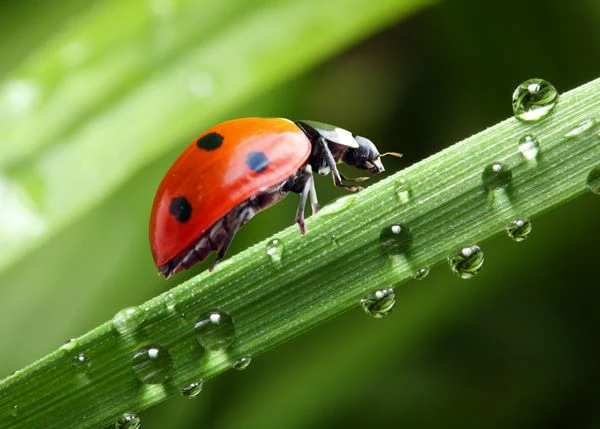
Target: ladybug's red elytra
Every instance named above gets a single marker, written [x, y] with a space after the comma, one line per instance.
[238, 168]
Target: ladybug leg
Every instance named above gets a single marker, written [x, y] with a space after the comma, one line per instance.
[353, 179]
[306, 185]
[337, 179]
[314, 202]
[243, 216]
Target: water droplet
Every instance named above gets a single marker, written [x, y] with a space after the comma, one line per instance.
[215, 330]
[14, 411]
[335, 240]
[152, 364]
[467, 261]
[496, 176]
[402, 190]
[242, 363]
[396, 238]
[593, 180]
[337, 206]
[581, 128]
[421, 273]
[519, 229]
[128, 421]
[192, 390]
[533, 100]
[275, 250]
[69, 344]
[529, 147]
[380, 303]
[170, 301]
[128, 320]
[81, 362]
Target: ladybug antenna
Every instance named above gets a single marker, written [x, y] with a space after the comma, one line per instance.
[394, 154]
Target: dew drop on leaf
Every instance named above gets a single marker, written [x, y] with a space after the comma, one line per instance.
[275, 250]
[215, 330]
[580, 129]
[128, 421]
[533, 100]
[421, 273]
[396, 239]
[128, 320]
[496, 176]
[402, 190]
[529, 147]
[242, 363]
[467, 261]
[379, 303]
[519, 229]
[152, 364]
[593, 180]
[192, 390]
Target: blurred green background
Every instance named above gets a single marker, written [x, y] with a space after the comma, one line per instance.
[515, 347]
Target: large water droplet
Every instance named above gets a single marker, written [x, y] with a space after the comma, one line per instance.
[496, 176]
[529, 147]
[152, 364]
[581, 128]
[275, 250]
[215, 330]
[128, 421]
[519, 229]
[242, 363]
[467, 261]
[533, 100]
[128, 320]
[396, 239]
[593, 180]
[193, 389]
[402, 190]
[421, 273]
[379, 303]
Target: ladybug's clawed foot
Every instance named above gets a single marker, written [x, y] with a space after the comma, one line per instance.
[352, 188]
[301, 226]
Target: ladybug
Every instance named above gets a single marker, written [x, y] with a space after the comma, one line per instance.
[238, 168]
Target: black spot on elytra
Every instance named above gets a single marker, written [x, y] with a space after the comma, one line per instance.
[257, 161]
[181, 209]
[211, 141]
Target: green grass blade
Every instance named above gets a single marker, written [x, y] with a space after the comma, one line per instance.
[318, 277]
[94, 106]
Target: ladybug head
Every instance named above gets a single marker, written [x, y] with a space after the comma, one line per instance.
[357, 151]
[365, 156]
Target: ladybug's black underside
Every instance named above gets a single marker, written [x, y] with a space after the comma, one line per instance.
[218, 237]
